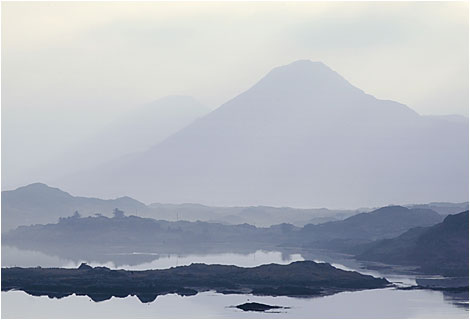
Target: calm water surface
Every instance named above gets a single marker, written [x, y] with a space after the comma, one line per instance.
[12, 256]
[380, 303]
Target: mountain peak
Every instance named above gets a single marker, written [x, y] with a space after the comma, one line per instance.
[39, 187]
[309, 77]
[305, 66]
[38, 191]
[306, 63]
[35, 185]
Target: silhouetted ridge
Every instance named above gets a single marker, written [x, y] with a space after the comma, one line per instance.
[457, 221]
[442, 248]
[347, 234]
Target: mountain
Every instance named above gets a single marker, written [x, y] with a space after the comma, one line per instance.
[387, 222]
[39, 203]
[302, 136]
[439, 249]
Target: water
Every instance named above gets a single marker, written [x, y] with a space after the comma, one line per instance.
[379, 303]
[12, 256]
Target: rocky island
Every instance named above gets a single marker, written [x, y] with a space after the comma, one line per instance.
[258, 307]
[303, 278]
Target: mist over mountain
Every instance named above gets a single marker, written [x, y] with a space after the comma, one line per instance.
[443, 208]
[135, 131]
[260, 216]
[38, 203]
[302, 136]
[142, 128]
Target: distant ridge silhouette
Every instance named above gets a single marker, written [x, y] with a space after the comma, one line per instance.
[439, 249]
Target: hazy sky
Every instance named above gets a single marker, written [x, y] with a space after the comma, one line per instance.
[68, 68]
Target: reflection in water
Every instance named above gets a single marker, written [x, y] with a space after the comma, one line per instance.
[361, 304]
[458, 298]
[243, 260]
[12, 256]
[378, 303]
[121, 256]
[401, 276]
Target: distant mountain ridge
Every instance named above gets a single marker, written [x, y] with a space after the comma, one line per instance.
[383, 223]
[38, 203]
[302, 136]
[81, 236]
[442, 248]
[443, 208]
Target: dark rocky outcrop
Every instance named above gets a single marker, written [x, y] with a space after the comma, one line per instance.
[305, 278]
[255, 306]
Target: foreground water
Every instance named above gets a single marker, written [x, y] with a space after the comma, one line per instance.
[380, 303]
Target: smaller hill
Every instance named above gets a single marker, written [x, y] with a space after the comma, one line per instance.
[383, 223]
[40, 203]
[440, 249]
